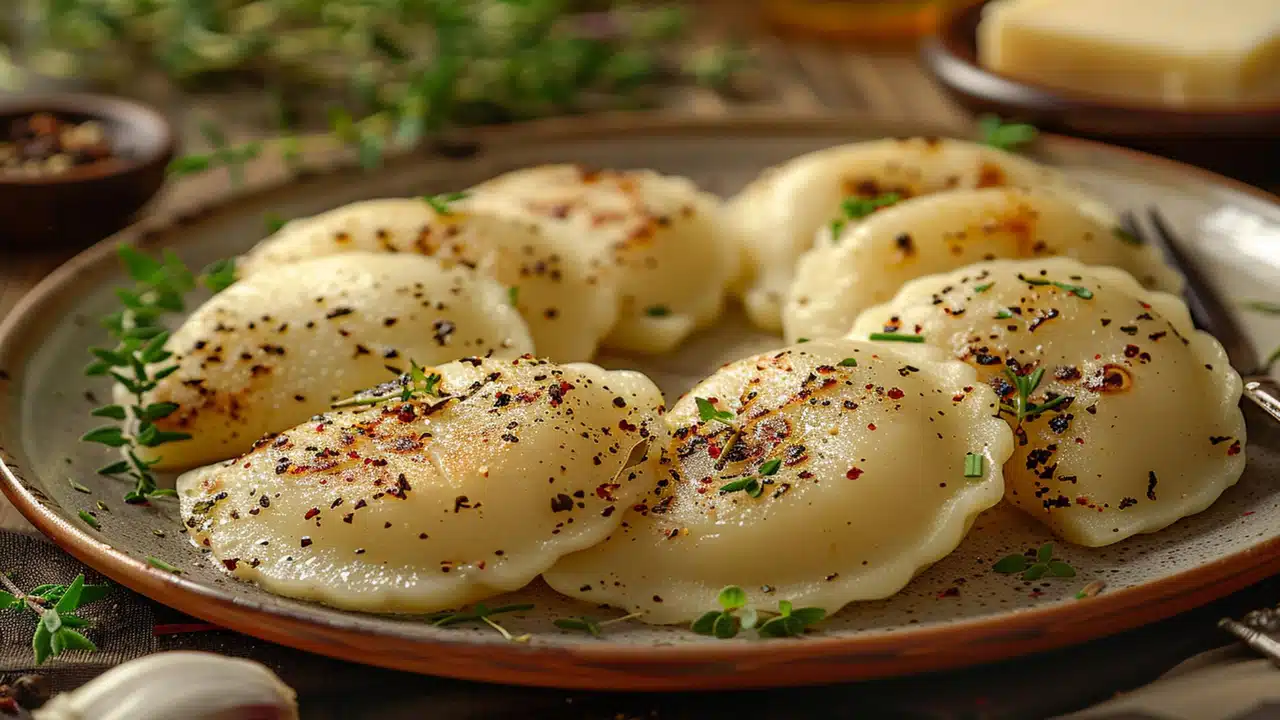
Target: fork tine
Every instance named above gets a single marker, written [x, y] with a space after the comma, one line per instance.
[1208, 310]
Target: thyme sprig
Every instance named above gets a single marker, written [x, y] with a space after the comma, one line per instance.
[56, 628]
[1043, 564]
[1021, 406]
[137, 361]
[734, 616]
[417, 383]
[482, 613]
[590, 625]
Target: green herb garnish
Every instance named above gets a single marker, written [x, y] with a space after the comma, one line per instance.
[513, 295]
[856, 208]
[1003, 314]
[849, 362]
[417, 383]
[1005, 136]
[657, 311]
[156, 562]
[749, 485]
[78, 487]
[442, 203]
[791, 622]
[974, 465]
[983, 287]
[273, 223]
[590, 625]
[1079, 291]
[707, 412]
[1034, 569]
[1022, 407]
[53, 605]
[90, 520]
[723, 623]
[896, 337]
[480, 612]
[138, 360]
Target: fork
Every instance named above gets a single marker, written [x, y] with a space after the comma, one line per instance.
[1210, 313]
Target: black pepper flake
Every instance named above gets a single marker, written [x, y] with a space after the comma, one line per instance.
[1128, 503]
[338, 312]
[561, 503]
[1151, 484]
[306, 541]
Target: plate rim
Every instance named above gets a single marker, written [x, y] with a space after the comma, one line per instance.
[810, 660]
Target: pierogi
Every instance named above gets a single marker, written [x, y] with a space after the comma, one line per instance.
[437, 501]
[858, 454]
[778, 215]
[1130, 420]
[277, 347]
[566, 295]
[867, 262]
[664, 237]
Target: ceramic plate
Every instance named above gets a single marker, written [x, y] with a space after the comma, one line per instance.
[956, 613]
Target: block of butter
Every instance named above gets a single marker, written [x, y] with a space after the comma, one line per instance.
[1181, 53]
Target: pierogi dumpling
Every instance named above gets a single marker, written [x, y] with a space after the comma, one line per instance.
[280, 346]
[867, 262]
[435, 502]
[779, 213]
[664, 236]
[1143, 426]
[860, 451]
[567, 296]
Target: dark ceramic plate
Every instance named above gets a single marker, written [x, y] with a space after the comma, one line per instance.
[1242, 142]
[958, 612]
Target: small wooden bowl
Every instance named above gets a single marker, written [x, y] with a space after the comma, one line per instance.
[1243, 142]
[89, 202]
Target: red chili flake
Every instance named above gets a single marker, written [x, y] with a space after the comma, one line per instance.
[1035, 594]
[605, 491]
[871, 426]
[714, 451]
[231, 563]
[895, 394]
[311, 513]
[1234, 449]
[1246, 514]
[306, 541]
[854, 473]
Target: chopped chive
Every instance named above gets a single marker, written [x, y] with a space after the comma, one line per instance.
[78, 487]
[849, 362]
[156, 562]
[513, 295]
[973, 465]
[897, 337]
[90, 520]
[1003, 314]
[800, 341]
[983, 287]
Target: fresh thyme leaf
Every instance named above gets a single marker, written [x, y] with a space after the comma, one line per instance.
[90, 520]
[770, 467]
[657, 311]
[1057, 568]
[1035, 572]
[1005, 136]
[705, 624]
[115, 412]
[751, 486]
[108, 435]
[896, 337]
[1126, 236]
[42, 644]
[1010, 564]
[1079, 291]
[856, 208]
[219, 275]
[791, 622]
[974, 465]
[273, 223]
[156, 562]
[441, 203]
[1044, 553]
[726, 626]
[78, 487]
[707, 412]
[849, 362]
[584, 624]
[732, 597]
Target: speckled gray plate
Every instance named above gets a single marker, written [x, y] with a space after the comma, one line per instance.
[958, 612]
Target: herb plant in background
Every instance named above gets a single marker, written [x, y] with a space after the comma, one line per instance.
[388, 72]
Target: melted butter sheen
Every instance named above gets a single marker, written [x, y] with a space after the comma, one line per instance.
[870, 260]
[280, 346]
[430, 504]
[780, 213]
[1152, 432]
[568, 297]
[869, 490]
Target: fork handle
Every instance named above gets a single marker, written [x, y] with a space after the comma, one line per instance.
[1265, 393]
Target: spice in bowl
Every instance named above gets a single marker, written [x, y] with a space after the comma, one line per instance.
[43, 144]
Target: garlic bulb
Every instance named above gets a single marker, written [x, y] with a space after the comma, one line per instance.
[178, 686]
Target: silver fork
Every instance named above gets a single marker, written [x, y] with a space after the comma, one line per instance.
[1210, 313]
